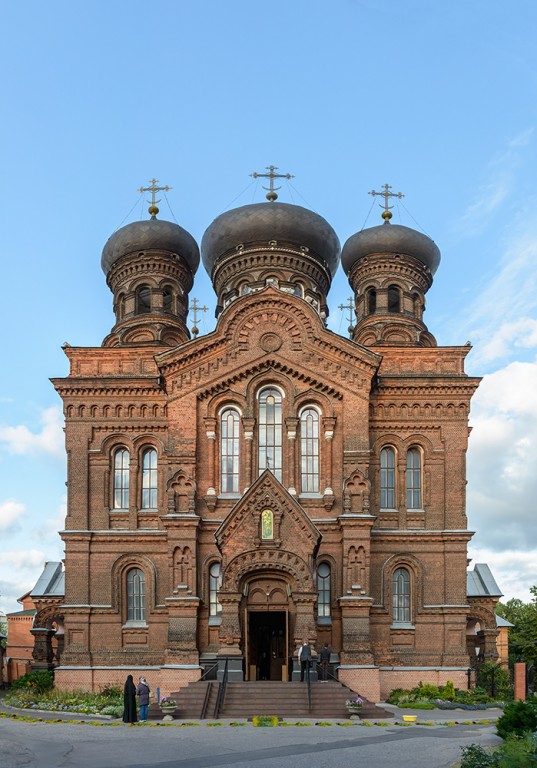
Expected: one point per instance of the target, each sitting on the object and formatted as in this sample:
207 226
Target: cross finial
194 308
351 313
386 215
271 195
153 210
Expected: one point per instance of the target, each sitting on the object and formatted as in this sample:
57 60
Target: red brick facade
388 423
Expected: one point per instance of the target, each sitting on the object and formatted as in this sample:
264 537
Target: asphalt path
67 745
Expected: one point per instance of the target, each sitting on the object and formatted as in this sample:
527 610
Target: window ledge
135 625
215 621
119 511
324 620
310 495
148 511
402 625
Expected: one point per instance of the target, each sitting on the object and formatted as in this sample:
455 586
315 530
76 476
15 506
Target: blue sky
438 100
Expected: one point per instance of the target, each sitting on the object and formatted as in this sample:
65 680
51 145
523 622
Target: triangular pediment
288 526
271 329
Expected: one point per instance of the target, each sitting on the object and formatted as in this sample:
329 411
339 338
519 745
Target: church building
233 494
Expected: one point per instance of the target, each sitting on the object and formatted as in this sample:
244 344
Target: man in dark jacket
304 657
324 658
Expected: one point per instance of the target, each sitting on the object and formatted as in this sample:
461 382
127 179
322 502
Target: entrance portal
267 652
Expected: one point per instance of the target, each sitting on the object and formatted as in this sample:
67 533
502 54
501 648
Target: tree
523 635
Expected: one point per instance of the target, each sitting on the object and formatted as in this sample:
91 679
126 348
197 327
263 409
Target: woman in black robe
129 701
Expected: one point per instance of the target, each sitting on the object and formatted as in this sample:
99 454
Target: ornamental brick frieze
181 494
271 364
426 411
356 494
261 561
131 267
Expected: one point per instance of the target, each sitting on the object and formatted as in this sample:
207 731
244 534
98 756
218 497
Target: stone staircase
284 699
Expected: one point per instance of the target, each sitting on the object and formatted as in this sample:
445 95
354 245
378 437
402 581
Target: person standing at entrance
143 691
324 658
304 657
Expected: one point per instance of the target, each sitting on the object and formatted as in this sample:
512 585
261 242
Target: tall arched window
143 299
270 431
309 450
229 451
215 609
167 300
323 591
413 479
394 299
149 479
135 595
121 478
371 301
387 478
401 596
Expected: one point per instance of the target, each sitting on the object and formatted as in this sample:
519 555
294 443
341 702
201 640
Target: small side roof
51 583
481 583
501 622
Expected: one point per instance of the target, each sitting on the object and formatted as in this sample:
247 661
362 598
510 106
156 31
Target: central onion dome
286 245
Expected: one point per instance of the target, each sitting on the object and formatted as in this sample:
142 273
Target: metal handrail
319 673
205 704
221 692
308 681
208 671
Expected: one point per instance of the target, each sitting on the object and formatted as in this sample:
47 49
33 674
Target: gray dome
261 222
390 238
151 233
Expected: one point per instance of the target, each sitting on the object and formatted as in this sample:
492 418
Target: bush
492 676
474 756
448 691
519 717
396 694
37 682
427 691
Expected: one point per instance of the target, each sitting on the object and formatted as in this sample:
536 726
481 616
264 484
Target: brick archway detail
260 563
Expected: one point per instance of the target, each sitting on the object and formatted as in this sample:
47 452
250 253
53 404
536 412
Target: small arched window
121 478
371 301
270 431
401 596
299 290
229 451
394 299
121 306
135 595
413 479
387 478
309 450
215 609
149 479
167 300
143 299
323 591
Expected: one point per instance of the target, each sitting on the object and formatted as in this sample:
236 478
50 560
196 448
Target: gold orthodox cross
271 196
153 210
351 313
195 309
386 215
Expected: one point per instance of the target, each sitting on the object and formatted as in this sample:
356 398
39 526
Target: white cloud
514 571
493 192
49 440
19 571
10 512
502 481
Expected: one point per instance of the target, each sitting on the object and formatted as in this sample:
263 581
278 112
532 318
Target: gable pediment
290 527
271 331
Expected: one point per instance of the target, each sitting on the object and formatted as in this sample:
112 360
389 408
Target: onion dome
390 238
263 223
152 234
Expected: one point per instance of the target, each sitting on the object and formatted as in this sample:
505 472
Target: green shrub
396 694
448 691
427 691
519 717
489 671
37 682
474 756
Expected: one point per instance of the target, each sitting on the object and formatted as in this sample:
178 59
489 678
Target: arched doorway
267 615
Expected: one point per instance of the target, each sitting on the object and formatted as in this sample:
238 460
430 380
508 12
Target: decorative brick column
182 630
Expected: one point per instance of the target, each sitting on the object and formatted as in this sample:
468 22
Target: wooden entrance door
266 625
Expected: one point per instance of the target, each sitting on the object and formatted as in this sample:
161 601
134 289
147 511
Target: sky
437 99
